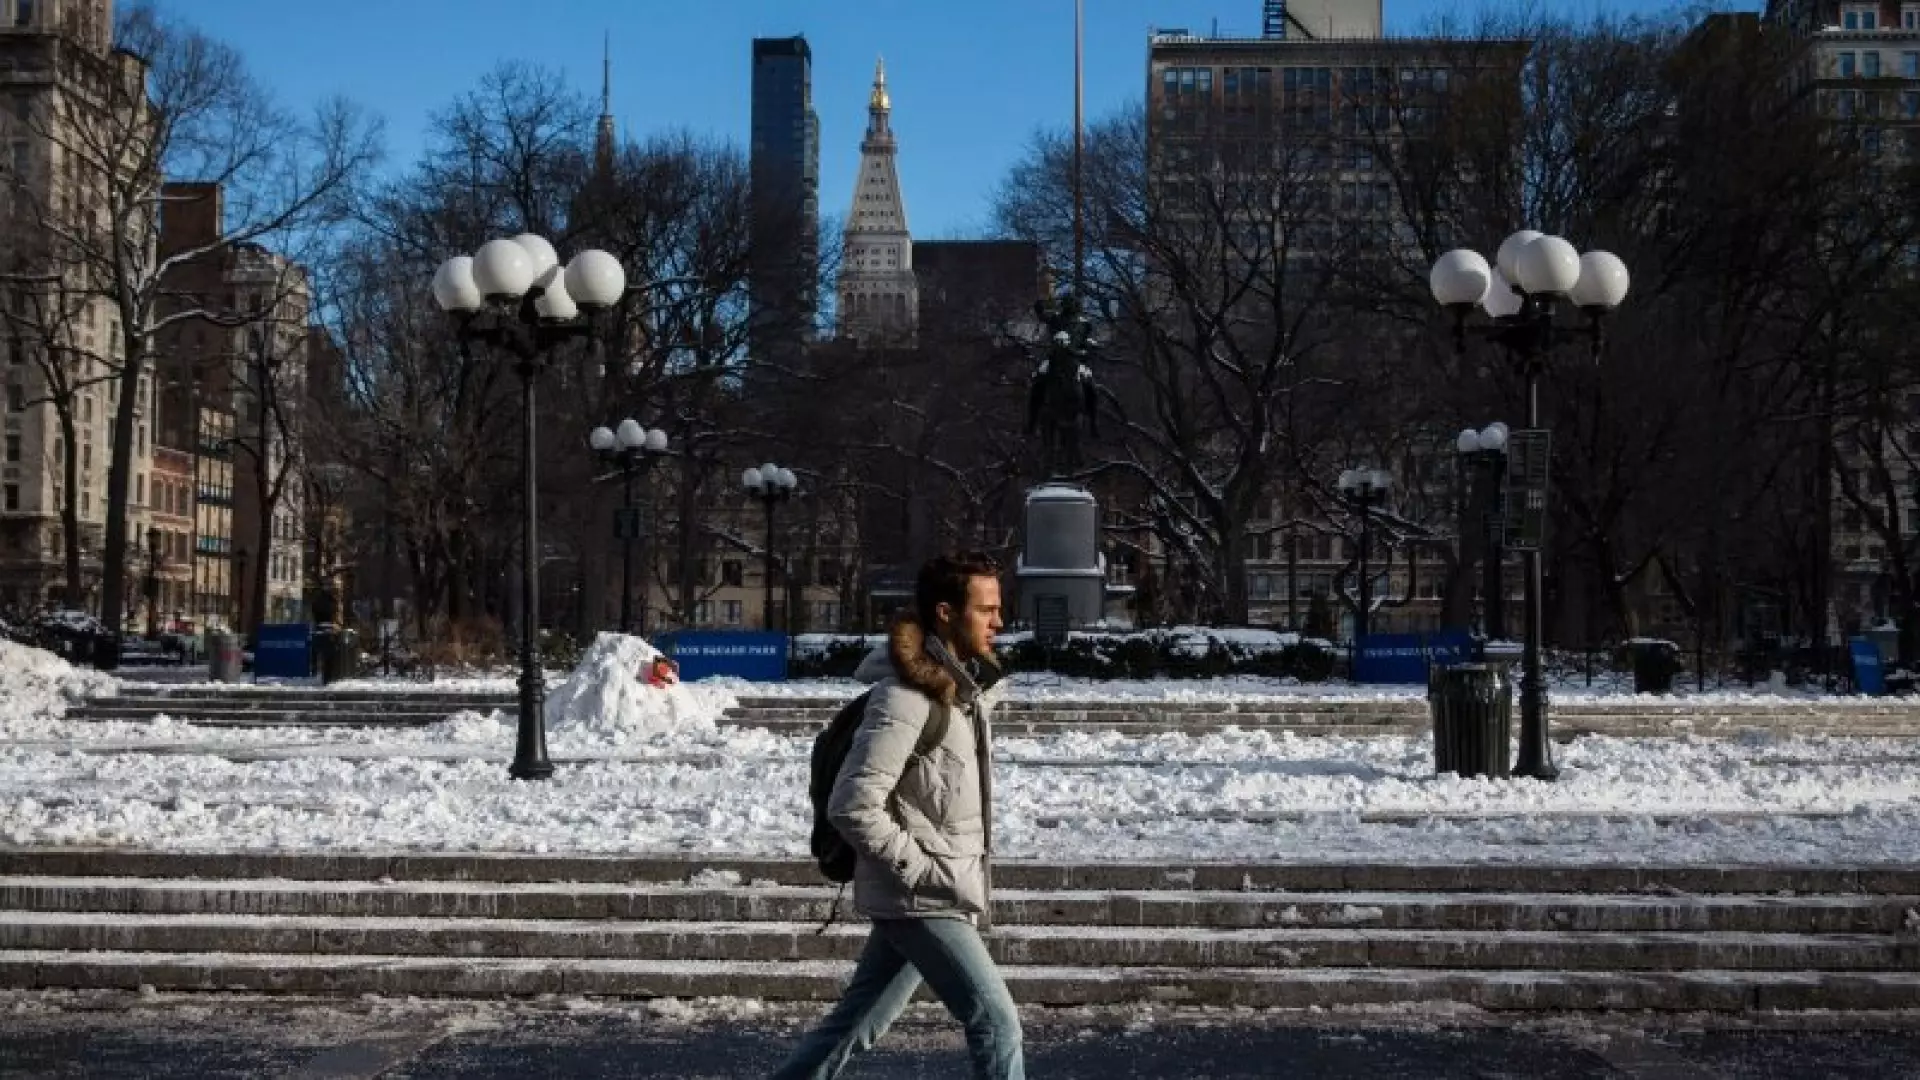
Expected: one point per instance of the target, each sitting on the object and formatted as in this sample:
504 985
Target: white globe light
1468 442
788 480
656 440
553 302
1348 480
539 251
601 439
770 474
632 435
750 479
1506 260
1460 276
453 287
1494 437
1603 281
596 279
1381 479
1549 267
503 270
1501 301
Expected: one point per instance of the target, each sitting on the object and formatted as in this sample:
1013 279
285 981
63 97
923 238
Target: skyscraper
879 295
785 165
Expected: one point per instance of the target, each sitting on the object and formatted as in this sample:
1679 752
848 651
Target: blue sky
971 80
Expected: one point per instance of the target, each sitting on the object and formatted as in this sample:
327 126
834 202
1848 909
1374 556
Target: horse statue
1063 389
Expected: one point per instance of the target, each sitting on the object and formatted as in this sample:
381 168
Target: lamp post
772 485
631 449
1364 488
515 296
1532 273
1486 449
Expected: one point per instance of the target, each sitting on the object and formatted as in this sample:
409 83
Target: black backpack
830 747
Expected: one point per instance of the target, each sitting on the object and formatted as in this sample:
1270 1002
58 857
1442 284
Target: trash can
102 650
1472 706
223 656
1655 663
336 647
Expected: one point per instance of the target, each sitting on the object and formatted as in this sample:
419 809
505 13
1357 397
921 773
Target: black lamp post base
540 769
1544 771
530 746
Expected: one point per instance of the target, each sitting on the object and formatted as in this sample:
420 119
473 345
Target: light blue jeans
951 957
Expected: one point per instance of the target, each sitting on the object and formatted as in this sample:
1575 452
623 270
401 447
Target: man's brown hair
943 580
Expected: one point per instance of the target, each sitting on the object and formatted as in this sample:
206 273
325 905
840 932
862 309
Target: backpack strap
934 731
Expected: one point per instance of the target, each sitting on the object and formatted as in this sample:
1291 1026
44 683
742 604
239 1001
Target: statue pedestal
1061 573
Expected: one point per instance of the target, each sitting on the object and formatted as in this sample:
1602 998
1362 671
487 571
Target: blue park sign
1405 658
699 654
285 651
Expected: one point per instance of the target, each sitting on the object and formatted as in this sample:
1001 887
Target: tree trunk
70 507
113 568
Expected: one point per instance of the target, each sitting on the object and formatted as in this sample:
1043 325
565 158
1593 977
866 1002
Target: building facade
59 77
234 398
1309 119
879 295
784 160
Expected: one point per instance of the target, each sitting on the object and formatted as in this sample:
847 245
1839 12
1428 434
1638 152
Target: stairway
272 706
1626 717
1497 937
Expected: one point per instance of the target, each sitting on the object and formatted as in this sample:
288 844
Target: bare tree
173 102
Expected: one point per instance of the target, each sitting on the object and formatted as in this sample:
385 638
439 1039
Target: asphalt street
127 1035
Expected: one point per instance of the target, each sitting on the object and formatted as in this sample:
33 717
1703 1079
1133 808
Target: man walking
921 826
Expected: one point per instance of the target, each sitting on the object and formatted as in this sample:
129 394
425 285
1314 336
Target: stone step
314 703
259 719
1068 946
1346 910
110 865
1005 718
1037 729
1639 706
1715 991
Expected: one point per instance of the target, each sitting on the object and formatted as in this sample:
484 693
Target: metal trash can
1472 706
1655 663
337 648
223 656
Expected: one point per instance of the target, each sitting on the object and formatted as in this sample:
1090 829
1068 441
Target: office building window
1910 65
23 12
1870 64
13 497
733 612
1846 64
1860 18
13 448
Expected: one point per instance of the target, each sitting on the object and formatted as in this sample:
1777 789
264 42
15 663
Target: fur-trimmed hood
919 662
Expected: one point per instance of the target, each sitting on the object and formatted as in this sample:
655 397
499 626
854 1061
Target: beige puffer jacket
921 825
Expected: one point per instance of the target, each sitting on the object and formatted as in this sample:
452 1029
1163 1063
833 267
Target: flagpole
1079 148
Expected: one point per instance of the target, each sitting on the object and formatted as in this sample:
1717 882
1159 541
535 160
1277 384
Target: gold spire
880 100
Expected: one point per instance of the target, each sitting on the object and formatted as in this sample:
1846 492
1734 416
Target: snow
646 770
1234 794
607 699
36 687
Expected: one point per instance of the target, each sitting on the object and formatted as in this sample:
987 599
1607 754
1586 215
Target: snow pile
37 686
469 726
607 699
